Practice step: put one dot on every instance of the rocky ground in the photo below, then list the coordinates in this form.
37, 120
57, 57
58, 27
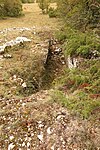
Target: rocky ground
35, 123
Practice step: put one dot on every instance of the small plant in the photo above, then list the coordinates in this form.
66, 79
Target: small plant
52, 12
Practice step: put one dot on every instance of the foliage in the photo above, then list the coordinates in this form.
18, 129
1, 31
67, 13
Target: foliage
79, 13
27, 1
80, 103
44, 5
88, 80
52, 12
79, 89
13, 8
2, 11
61, 36
82, 44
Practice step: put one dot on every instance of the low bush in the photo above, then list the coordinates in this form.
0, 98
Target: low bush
13, 8
86, 78
76, 43
52, 12
61, 36
79, 104
44, 5
2, 11
27, 1
30, 1
79, 89
24, 1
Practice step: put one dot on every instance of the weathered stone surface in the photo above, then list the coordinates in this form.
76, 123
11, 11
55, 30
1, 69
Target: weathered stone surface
72, 62
12, 43
7, 56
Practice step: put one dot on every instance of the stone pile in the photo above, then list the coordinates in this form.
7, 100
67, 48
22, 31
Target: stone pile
12, 43
16, 29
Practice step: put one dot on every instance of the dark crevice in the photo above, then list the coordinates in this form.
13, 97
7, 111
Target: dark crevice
53, 65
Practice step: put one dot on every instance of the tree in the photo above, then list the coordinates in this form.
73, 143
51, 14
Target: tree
79, 13
44, 5
13, 8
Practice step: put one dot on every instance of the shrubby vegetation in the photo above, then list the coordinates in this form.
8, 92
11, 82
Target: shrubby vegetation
80, 38
13, 8
2, 11
52, 12
47, 9
82, 44
79, 13
44, 5
10, 8
82, 86
27, 1
79, 103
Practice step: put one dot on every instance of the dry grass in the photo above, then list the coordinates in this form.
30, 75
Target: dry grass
33, 17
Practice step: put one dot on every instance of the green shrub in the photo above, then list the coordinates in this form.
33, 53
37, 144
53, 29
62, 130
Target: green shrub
30, 1
84, 50
44, 5
79, 103
81, 44
24, 1
79, 13
73, 80
13, 8
2, 11
52, 12
93, 69
27, 1
61, 36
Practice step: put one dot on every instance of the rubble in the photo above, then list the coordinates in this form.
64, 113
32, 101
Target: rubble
22, 39
11, 146
40, 137
24, 85
12, 43
7, 56
16, 29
